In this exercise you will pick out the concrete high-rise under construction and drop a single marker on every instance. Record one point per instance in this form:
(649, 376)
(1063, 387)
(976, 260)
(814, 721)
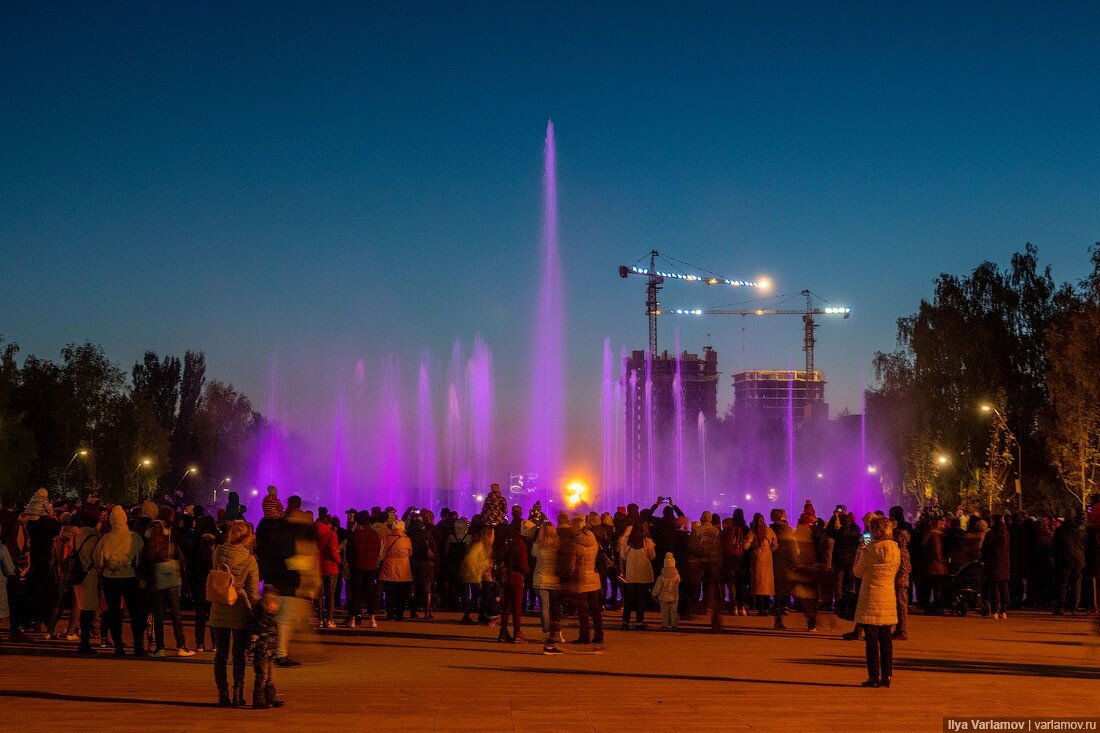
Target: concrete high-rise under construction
(771, 393)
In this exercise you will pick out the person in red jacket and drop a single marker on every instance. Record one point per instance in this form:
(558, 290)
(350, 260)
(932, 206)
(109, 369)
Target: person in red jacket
(328, 558)
(516, 569)
(363, 548)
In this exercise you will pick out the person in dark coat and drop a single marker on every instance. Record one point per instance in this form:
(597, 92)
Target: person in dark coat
(1021, 534)
(1068, 547)
(846, 539)
(997, 554)
(1092, 555)
(784, 562)
(902, 533)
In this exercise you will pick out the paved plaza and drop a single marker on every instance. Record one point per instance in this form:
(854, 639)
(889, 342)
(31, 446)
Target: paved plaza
(444, 676)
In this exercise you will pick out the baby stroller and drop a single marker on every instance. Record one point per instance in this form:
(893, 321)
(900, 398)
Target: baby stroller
(964, 591)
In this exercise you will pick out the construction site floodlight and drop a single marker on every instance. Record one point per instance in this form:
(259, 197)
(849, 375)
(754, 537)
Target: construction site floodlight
(626, 271)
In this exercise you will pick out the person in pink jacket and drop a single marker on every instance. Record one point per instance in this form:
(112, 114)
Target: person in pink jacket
(396, 575)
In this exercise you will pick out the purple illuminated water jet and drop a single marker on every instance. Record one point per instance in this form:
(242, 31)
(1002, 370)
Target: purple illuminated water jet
(547, 414)
(479, 381)
(678, 417)
(425, 427)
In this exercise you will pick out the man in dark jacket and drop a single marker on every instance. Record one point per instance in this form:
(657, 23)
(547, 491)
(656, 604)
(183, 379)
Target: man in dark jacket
(294, 573)
(1069, 560)
(364, 545)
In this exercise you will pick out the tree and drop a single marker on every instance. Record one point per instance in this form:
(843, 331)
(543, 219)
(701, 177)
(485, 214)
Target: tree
(221, 429)
(158, 381)
(190, 396)
(1073, 380)
(16, 439)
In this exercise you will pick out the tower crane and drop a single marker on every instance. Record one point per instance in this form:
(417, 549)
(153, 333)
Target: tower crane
(655, 279)
(808, 313)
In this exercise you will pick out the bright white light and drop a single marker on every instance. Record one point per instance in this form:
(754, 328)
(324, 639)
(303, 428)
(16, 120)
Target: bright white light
(479, 497)
(821, 475)
(255, 492)
(764, 283)
(575, 493)
(872, 469)
(748, 497)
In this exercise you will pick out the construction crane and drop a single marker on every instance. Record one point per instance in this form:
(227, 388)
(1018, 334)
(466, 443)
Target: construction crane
(809, 325)
(656, 278)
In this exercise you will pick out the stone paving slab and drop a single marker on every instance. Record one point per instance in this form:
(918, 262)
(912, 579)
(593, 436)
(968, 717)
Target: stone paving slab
(444, 676)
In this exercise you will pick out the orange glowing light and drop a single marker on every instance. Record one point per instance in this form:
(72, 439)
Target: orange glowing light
(575, 493)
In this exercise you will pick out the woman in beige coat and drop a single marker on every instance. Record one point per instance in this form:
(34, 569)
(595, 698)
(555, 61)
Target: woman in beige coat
(876, 611)
(761, 542)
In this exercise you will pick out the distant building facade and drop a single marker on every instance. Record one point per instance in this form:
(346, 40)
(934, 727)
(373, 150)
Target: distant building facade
(771, 393)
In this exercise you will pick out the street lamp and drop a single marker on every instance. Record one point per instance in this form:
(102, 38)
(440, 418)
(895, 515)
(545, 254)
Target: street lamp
(143, 463)
(225, 480)
(943, 459)
(988, 408)
(189, 471)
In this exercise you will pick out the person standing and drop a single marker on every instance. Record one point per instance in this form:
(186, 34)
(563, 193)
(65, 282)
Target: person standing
(996, 554)
(516, 567)
(901, 534)
(784, 563)
(165, 567)
(230, 622)
(328, 561)
(494, 508)
(396, 575)
(1068, 548)
(363, 548)
(637, 552)
(117, 559)
(87, 590)
(876, 610)
(583, 584)
(761, 542)
(546, 581)
(667, 592)
(292, 567)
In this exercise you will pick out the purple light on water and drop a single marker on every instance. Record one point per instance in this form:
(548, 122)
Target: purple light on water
(607, 422)
(650, 442)
(701, 428)
(479, 388)
(547, 415)
(632, 449)
(791, 516)
(678, 417)
(425, 428)
(339, 456)
(390, 435)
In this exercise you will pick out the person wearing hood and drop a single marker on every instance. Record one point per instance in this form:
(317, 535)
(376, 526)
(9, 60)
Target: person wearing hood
(666, 590)
(363, 552)
(229, 623)
(546, 582)
(118, 559)
(87, 591)
(396, 575)
(494, 507)
(232, 508)
(328, 560)
(876, 610)
(581, 583)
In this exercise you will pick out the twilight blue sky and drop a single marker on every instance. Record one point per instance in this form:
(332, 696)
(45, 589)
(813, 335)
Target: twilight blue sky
(302, 185)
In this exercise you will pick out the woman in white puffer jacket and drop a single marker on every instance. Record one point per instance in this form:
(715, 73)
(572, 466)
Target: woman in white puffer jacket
(876, 611)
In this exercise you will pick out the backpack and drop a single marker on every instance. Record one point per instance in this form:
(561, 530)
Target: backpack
(735, 542)
(73, 567)
(220, 587)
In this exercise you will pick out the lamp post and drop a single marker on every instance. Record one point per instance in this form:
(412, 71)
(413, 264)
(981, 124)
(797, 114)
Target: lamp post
(80, 453)
(987, 408)
(183, 478)
(214, 498)
(143, 463)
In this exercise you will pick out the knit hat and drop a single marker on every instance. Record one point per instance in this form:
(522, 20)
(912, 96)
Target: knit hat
(670, 561)
(808, 508)
(271, 505)
(38, 506)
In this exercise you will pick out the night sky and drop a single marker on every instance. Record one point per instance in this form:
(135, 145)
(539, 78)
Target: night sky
(294, 187)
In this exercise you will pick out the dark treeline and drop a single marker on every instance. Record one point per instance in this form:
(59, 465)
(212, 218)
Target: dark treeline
(82, 423)
(1027, 349)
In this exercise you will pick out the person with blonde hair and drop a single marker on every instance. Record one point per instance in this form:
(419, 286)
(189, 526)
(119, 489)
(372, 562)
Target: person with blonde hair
(229, 623)
(876, 610)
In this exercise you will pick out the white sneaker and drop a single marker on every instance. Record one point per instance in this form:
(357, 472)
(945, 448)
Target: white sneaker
(1004, 616)
(330, 625)
(184, 652)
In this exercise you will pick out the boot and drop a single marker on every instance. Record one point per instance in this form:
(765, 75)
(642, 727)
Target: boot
(238, 696)
(223, 698)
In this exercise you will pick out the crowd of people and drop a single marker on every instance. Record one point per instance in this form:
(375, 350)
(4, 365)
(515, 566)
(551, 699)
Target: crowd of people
(74, 570)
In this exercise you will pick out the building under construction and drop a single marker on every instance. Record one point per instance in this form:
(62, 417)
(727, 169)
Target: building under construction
(771, 393)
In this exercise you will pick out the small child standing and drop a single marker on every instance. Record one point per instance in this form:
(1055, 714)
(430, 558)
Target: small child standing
(667, 591)
(265, 643)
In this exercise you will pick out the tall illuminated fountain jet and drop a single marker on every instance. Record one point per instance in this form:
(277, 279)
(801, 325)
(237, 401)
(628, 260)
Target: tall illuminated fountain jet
(547, 414)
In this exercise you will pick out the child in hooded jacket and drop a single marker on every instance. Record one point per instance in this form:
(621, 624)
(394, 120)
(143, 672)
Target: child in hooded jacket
(667, 591)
